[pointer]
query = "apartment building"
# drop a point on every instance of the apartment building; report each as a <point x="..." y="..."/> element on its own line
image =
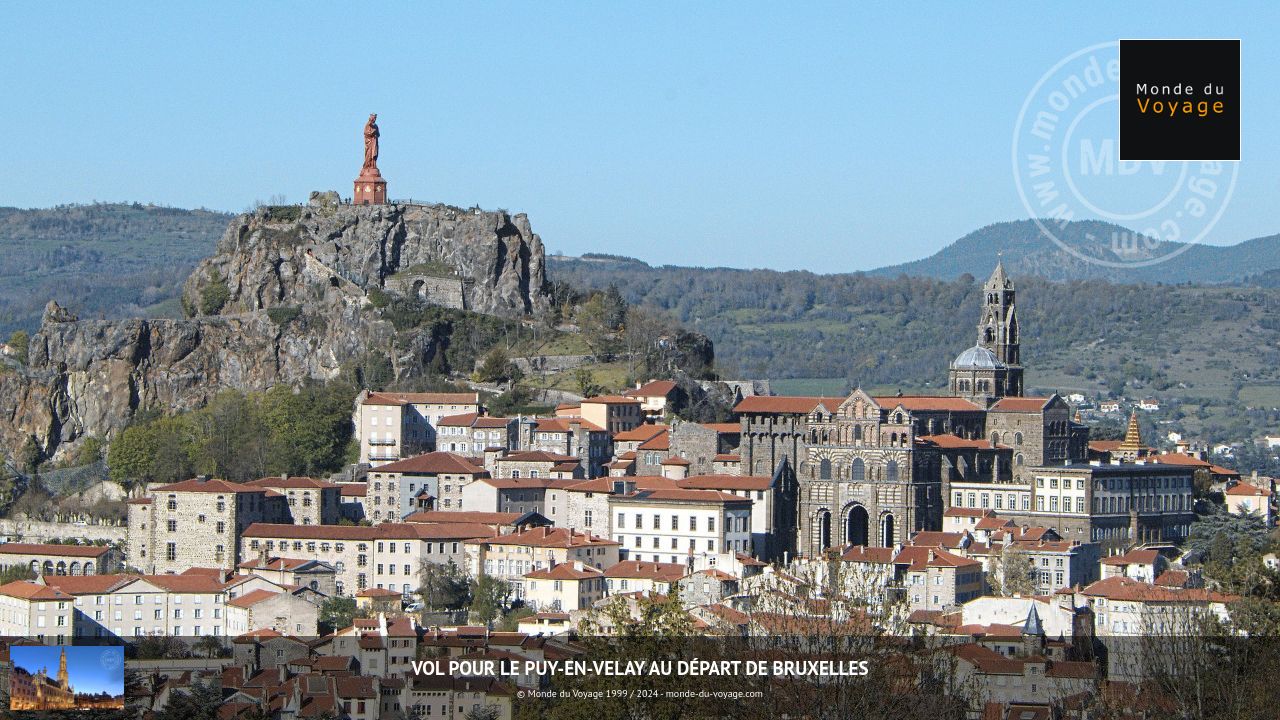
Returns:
<point x="388" y="556"/>
<point x="310" y="501"/>
<point x="564" y="588"/>
<point x="574" y="437"/>
<point x="678" y="525"/>
<point x="392" y="425"/>
<point x="614" y="413"/>
<point x="473" y="434"/>
<point x="935" y="579"/>
<point x="771" y="516"/>
<point x="423" y="482"/>
<point x="196" y="523"/>
<point x="585" y="505"/>
<point x="33" y="610"/>
<point x="534" y="464"/>
<point x="510" y="557"/>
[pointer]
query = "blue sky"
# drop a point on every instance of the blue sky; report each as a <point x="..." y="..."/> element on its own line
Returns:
<point x="90" y="669"/>
<point x="830" y="137"/>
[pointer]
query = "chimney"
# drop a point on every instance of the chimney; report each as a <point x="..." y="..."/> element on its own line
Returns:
<point x="284" y="476"/>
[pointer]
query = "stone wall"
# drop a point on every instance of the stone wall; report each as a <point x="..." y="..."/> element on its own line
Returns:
<point x="22" y="530"/>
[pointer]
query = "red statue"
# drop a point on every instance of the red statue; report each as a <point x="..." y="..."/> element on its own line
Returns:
<point x="370" y="188"/>
<point x="371" y="143"/>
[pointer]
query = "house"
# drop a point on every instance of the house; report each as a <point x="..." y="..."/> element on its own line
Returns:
<point x="640" y="576"/>
<point x="563" y="588"/>
<point x="655" y="397"/>
<point x="935" y="579"/>
<point x="394" y="425"/>
<point x="474" y="433"/>
<point x="614" y="413"/>
<point x="674" y="525"/>
<point x="36" y="611"/>
<point x="770" y="512"/>
<point x="574" y="437"/>
<point x="395" y="489"/>
<point x="1137" y="564"/>
<point x="299" y="572"/>
<point x="1242" y="499"/>
<point x="510" y="557"/>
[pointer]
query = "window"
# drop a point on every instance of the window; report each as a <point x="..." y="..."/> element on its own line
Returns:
<point x="172" y="525"/>
<point x="171" y="551"/>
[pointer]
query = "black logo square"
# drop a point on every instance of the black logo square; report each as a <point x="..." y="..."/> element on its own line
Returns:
<point x="1179" y="99"/>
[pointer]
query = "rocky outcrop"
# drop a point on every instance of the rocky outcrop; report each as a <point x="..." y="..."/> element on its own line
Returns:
<point x="295" y="305"/>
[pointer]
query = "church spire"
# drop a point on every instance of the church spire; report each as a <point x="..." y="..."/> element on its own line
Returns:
<point x="1132" y="447"/>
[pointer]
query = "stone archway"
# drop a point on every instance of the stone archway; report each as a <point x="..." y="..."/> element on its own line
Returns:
<point x="822" y="529"/>
<point x="886" y="530"/>
<point x="856" y="525"/>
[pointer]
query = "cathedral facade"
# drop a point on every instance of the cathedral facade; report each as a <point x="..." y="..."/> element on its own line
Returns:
<point x="872" y="470"/>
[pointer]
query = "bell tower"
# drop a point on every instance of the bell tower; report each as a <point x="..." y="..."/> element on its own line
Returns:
<point x="998" y="326"/>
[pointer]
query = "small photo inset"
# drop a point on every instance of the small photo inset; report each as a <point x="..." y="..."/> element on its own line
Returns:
<point x="66" y="677"/>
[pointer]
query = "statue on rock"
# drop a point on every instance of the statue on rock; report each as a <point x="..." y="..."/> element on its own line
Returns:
<point x="370" y="188"/>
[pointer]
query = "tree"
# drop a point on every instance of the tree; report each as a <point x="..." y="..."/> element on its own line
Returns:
<point x="209" y="645"/>
<point x="585" y="382"/>
<point x="483" y="712"/>
<point x="200" y="702"/>
<point x="489" y="597"/>
<point x="20" y="344"/>
<point x="338" y="611"/>
<point x="90" y="451"/>
<point x="444" y="587"/>
<point x="1019" y="572"/>
<point x="496" y="366"/>
<point x="30" y="455"/>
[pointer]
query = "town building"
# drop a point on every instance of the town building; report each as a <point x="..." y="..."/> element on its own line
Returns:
<point x="564" y="587"/>
<point x="58" y="559"/>
<point x="873" y="469"/>
<point x="196" y="523"/>
<point x="510" y="557"/>
<point x="656" y="398"/>
<point x="677" y="525"/>
<point x="32" y="610"/>
<point x="310" y="501"/>
<point x="395" y="425"/>
<point x="429" y="481"/>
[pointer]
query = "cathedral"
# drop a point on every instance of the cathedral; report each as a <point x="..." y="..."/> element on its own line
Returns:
<point x="39" y="691"/>
<point x="872" y="470"/>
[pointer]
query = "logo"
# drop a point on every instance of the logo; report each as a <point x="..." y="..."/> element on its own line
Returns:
<point x="1067" y="166"/>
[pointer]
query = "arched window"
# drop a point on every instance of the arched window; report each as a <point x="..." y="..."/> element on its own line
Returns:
<point x="824" y="469"/>
<point x="891" y="471"/>
<point x="858" y="470"/>
<point x="1017" y="459"/>
<point x="1017" y="438"/>
<point x="857" y="432"/>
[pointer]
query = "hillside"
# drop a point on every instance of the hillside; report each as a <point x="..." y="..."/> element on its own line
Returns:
<point x="290" y="294"/>
<point x="1025" y="251"/>
<point x="1215" y="350"/>
<point x="109" y="260"/>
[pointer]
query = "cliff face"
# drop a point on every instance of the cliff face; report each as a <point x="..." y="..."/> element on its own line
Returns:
<point x="295" y="306"/>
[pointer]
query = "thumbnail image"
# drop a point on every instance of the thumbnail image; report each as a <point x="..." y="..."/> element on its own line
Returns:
<point x="63" y="677"/>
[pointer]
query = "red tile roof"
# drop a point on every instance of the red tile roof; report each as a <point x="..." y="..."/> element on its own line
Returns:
<point x="566" y="571"/>
<point x="564" y="425"/>
<point x="88" y="584"/>
<point x="864" y="554"/>
<point x="635" y="569"/>
<point x="377" y="593"/>
<point x="1020" y="404"/>
<point x="547" y="537"/>
<point x="605" y="484"/>
<point x="684" y="495"/>
<point x="661" y="441"/>
<point x="676" y="460"/>
<point x="784" y="404"/>
<point x="948" y="441"/>
<point x="653" y="388"/>
<point x="18" y="548"/>
<point x="353" y="489"/>
<point x="1119" y="587"/>
<point x="724" y="428"/>
<point x="640" y="433"/>
<point x="32" y="591"/>
<point x="253" y="597"/>
<point x="1138" y="557"/>
<point x="1241" y="489"/>
<point x="432" y="463"/>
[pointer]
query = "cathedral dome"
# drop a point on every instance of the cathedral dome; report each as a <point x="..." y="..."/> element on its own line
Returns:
<point x="977" y="357"/>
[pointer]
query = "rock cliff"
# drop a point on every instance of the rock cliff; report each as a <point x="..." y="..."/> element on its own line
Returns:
<point x="285" y="297"/>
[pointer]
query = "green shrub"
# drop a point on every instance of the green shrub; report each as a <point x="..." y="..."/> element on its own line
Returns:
<point x="214" y="296"/>
<point x="379" y="298"/>
<point x="284" y="314"/>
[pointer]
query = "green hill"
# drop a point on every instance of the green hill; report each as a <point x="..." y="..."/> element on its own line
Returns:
<point x="1025" y="250"/>
<point x="110" y="260"/>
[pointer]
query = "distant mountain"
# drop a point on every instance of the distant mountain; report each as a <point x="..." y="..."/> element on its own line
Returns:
<point x="110" y="260"/>
<point x="1025" y="250"/>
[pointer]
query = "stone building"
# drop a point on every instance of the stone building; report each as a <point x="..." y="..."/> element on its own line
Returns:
<point x="395" y="490"/>
<point x="56" y="559"/>
<point x="395" y="425"/>
<point x="196" y="523"/>
<point x="309" y="501"/>
<point x="871" y="470"/>
<point x="702" y="443"/>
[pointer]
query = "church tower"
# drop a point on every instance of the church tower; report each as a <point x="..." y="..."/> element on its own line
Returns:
<point x="64" y="681"/>
<point x="992" y="368"/>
